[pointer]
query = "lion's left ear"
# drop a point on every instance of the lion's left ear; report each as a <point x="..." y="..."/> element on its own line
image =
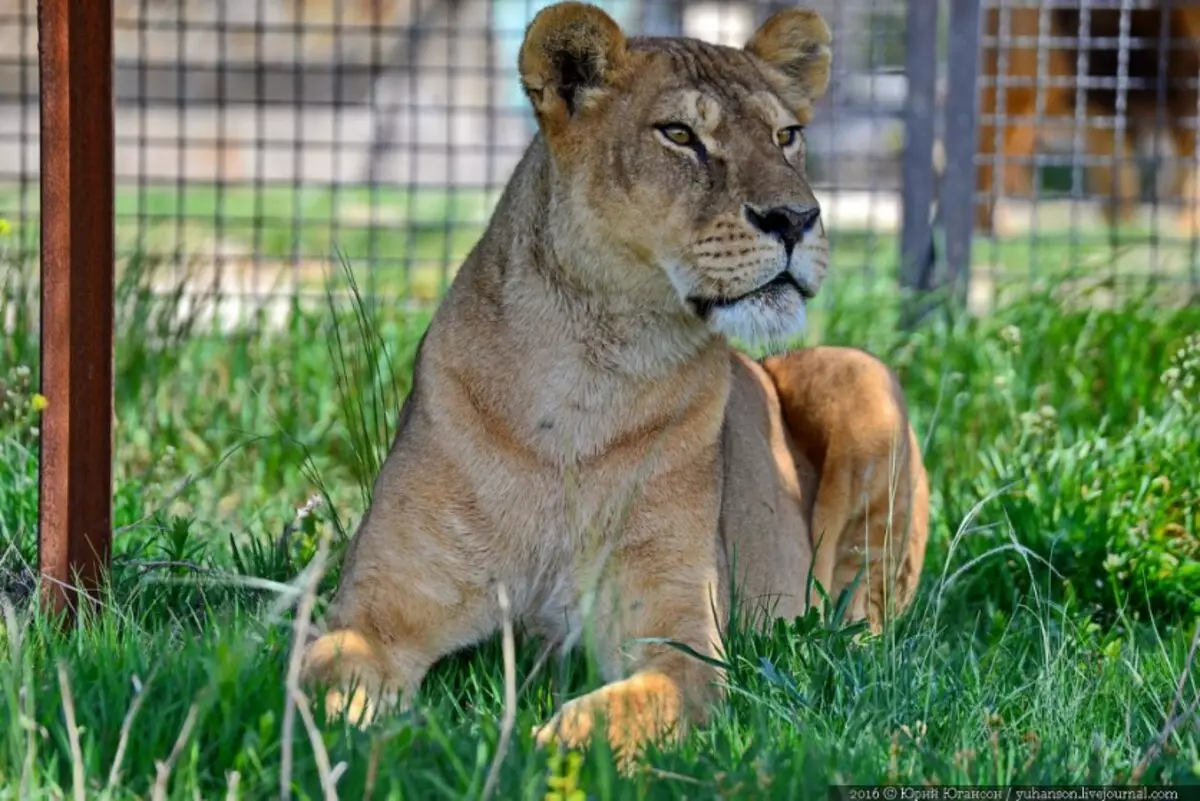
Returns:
<point x="796" y="44"/>
<point x="572" y="54"/>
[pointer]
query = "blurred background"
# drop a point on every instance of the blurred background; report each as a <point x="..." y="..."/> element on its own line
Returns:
<point x="992" y="147"/>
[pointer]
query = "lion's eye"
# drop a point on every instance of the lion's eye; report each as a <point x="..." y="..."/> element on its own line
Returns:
<point x="786" y="137"/>
<point x="679" y="134"/>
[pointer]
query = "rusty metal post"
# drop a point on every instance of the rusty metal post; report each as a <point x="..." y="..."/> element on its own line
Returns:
<point x="75" y="52"/>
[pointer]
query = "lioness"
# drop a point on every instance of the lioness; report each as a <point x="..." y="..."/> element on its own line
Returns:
<point x="581" y="431"/>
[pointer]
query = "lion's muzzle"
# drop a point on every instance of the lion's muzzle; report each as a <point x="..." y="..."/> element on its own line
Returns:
<point x="788" y="224"/>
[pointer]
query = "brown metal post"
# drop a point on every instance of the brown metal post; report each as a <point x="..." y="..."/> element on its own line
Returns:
<point x="75" y="512"/>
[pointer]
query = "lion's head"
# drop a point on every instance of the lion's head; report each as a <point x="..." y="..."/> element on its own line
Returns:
<point x="683" y="163"/>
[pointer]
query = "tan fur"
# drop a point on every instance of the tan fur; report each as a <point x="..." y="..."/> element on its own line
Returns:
<point x="580" y="429"/>
<point x="1116" y="180"/>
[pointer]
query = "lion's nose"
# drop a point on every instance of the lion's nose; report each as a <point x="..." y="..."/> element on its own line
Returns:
<point x="789" y="224"/>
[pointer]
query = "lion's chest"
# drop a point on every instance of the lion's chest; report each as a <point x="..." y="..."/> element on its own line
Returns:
<point x="560" y="530"/>
<point x="554" y="611"/>
<point x="576" y="416"/>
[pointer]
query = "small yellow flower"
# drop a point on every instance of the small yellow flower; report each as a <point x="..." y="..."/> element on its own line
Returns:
<point x="39" y="402"/>
<point x="5" y="227"/>
<point x="564" y="784"/>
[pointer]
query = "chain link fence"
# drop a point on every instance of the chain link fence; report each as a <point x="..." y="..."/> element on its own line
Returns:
<point x="259" y="142"/>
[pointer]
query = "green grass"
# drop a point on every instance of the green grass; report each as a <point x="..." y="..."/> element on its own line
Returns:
<point x="1048" y="644"/>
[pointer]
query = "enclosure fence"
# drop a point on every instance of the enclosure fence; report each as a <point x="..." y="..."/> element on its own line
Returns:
<point x="993" y="142"/>
<point x="240" y="147"/>
<point x="259" y="141"/>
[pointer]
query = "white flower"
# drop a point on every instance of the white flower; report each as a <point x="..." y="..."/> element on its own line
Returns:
<point x="307" y="509"/>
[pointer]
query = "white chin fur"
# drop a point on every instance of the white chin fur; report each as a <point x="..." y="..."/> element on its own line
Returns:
<point x="760" y="323"/>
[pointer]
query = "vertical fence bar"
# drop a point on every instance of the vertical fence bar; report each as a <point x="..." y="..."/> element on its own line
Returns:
<point x="916" y="242"/>
<point x="957" y="202"/>
<point x="663" y="18"/>
<point x="75" y="52"/>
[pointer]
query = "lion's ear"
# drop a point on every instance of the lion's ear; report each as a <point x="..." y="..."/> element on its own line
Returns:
<point x="796" y="44"/>
<point x="572" y="53"/>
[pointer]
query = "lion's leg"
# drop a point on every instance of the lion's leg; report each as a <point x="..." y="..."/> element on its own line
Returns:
<point x="659" y="582"/>
<point x="847" y="416"/>
<point x="984" y="176"/>
<point x="1183" y="63"/>
<point x="1187" y="179"/>
<point x="1113" y="175"/>
<point x="1006" y="110"/>
<point x="406" y="599"/>
<point x="1018" y="142"/>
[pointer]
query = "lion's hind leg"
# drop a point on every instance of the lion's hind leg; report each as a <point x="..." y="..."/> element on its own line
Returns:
<point x="847" y="416"/>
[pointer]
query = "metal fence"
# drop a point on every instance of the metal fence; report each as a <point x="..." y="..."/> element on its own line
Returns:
<point x="1087" y="118"/>
<point x="256" y="139"/>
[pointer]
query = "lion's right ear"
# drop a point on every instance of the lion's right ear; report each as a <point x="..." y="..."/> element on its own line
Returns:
<point x="572" y="53"/>
<point x="795" y="43"/>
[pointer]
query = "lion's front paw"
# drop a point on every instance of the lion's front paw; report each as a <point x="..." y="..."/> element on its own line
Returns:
<point x="637" y="711"/>
<point x="358" y="706"/>
<point x="345" y="663"/>
<point x="571" y="727"/>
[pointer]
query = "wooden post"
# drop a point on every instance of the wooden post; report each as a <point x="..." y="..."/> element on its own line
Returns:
<point x="75" y="52"/>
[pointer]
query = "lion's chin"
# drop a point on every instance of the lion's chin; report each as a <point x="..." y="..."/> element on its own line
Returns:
<point x="763" y="320"/>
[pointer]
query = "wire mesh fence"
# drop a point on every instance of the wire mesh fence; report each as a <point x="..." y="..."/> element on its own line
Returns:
<point x="1086" y="148"/>
<point x="259" y="141"/>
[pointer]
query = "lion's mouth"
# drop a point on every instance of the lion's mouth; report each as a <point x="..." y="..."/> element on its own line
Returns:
<point x="704" y="306"/>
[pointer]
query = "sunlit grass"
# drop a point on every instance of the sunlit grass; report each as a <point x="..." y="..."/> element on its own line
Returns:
<point x="1049" y="643"/>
